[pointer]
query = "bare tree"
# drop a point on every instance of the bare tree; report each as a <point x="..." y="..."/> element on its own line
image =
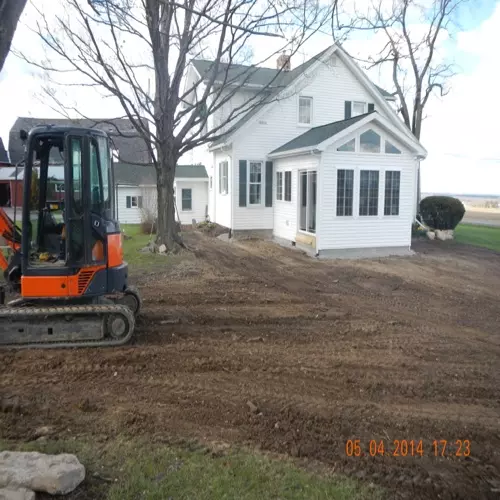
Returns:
<point x="10" y="12"/>
<point x="411" y="31"/>
<point x="138" y="52"/>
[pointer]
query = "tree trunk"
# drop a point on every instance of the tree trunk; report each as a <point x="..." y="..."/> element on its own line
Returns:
<point x="167" y="232"/>
<point x="10" y="12"/>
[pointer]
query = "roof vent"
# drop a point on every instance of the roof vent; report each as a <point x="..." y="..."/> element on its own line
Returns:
<point x="284" y="62"/>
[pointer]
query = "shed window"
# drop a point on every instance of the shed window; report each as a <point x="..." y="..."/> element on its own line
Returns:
<point x="279" y="185"/>
<point x="255" y="183"/>
<point x="345" y="188"/>
<point x="305" y="110"/>
<point x="369" y="142"/>
<point x="288" y="186"/>
<point x="223" y="177"/>
<point x="391" y="198"/>
<point x="368" y="192"/>
<point x="391" y="149"/>
<point x="187" y="199"/>
<point x="134" y="201"/>
<point x="348" y="146"/>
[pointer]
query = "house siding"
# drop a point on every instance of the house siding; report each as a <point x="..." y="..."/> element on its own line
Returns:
<point x="199" y="201"/>
<point x="286" y="212"/>
<point x="131" y="215"/>
<point x="338" y="232"/>
<point x="222" y="202"/>
<point x="329" y="86"/>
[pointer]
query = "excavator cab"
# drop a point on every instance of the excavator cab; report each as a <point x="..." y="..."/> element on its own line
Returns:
<point x="70" y="252"/>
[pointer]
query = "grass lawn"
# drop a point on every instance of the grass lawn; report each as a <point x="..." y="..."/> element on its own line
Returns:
<point x="481" y="236"/>
<point x="122" y="470"/>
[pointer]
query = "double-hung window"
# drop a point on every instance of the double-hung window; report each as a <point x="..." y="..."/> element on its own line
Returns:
<point x="305" y="110"/>
<point x="358" y="108"/>
<point x="223" y="177"/>
<point x="345" y="190"/>
<point x="279" y="185"/>
<point x="391" y="198"/>
<point x="288" y="186"/>
<point x="255" y="183"/>
<point x="187" y="201"/>
<point x="368" y="192"/>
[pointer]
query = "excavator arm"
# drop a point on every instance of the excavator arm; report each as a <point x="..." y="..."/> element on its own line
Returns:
<point x="12" y="236"/>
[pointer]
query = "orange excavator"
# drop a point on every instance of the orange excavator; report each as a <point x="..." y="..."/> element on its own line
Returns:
<point x="66" y="260"/>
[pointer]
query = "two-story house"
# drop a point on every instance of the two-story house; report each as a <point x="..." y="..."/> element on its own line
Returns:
<point x="325" y="162"/>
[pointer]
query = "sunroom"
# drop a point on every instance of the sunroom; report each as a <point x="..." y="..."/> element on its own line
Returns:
<point x="348" y="188"/>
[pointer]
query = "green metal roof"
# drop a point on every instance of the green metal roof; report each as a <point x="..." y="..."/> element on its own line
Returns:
<point x="140" y="175"/>
<point x="317" y="135"/>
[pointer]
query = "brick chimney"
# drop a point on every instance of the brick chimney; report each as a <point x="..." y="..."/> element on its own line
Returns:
<point x="284" y="62"/>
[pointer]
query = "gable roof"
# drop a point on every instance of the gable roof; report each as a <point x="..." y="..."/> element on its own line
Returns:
<point x="4" y="157"/>
<point x="130" y="144"/>
<point x="141" y="175"/>
<point x="273" y="80"/>
<point x="317" y="135"/>
<point x="319" y="138"/>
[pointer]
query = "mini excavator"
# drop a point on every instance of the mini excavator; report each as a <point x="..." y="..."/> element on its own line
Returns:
<point x="66" y="259"/>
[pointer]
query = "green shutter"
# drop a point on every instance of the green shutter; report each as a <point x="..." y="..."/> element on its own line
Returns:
<point x="371" y="107"/>
<point x="347" y="110"/>
<point x="269" y="183"/>
<point x="243" y="183"/>
<point x="129" y="202"/>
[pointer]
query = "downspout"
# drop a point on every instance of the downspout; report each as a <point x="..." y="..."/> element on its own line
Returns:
<point x="319" y="197"/>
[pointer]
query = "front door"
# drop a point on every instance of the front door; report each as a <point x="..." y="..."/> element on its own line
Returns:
<point x="307" y="201"/>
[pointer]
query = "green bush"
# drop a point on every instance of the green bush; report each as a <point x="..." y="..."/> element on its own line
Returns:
<point x="441" y="212"/>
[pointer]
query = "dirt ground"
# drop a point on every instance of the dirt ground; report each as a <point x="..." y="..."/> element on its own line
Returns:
<point x="327" y="351"/>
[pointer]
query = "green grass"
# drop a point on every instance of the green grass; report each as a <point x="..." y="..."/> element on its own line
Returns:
<point x="122" y="470"/>
<point x="481" y="236"/>
<point x="132" y="246"/>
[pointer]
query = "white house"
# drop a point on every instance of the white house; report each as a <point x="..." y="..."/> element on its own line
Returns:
<point x="135" y="192"/>
<point x="325" y="162"/>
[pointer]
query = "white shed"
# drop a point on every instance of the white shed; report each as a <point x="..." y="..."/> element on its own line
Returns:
<point x="135" y="191"/>
<point x="348" y="188"/>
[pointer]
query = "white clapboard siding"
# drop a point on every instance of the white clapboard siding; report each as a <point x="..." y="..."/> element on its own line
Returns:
<point x="222" y="204"/>
<point x="329" y="86"/>
<point x="199" y="200"/>
<point x="131" y="215"/>
<point x="286" y="212"/>
<point x="340" y="232"/>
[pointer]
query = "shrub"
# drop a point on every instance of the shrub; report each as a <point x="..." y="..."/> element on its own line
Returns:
<point x="441" y="212"/>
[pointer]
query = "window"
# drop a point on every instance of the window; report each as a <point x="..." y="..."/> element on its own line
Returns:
<point x="95" y="181"/>
<point x="368" y="192"/>
<point x="358" y="108"/>
<point x="288" y="186"/>
<point x="279" y="185"/>
<point x="390" y="149"/>
<point x="76" y="167"/>
<point x="105" y="168"/>
<point x="134" y="201"/>
<point x="307" y="220"/>
<point x="255" y="183"/>
<point x="305" y="110"/>
<point x="223" y="177"/>
<point x="348" y="146"/>
<point x="345" y="186"/>
<point x="187" y="199"/>
<point x="369" y="142"/>
<point x="391" y="199"/>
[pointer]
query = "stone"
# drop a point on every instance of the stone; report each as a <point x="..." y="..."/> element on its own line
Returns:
<point x="162" y="248"/>
<point x="253" y="408"/>
<point x="448" y="234"/>
<point x="440" y="235"/>
<point x="16" y="494"/>
<point x="53" y="474"/>
<point x="431" y="235"/>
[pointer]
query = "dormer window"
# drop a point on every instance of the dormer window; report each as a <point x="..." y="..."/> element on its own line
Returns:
<point x="305" y="110"/>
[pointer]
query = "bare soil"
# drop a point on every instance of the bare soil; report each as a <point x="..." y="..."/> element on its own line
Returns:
<point x="324" y="351"/>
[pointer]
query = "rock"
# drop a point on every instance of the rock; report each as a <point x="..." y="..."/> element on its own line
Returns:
<point x="253" y="408"/>
<point x="54" y="474"/>
<point x="440" y="235"/>
<point x="448" y="234"/>
<point x="162" y="248"/>
<point x="44" y="430"/>
<point x="16" y="494"/>
<point x="431" y="235"/>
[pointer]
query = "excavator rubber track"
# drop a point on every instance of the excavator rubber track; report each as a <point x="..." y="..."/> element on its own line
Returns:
<point x="56" y="327"/>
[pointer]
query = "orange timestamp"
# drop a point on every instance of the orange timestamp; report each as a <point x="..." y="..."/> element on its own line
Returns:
<point x="408" y="448"/>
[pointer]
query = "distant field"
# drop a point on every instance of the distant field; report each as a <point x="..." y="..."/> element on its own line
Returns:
<point x="487" y="217"/>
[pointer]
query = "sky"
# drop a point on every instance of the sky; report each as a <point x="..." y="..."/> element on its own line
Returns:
<point x="460" y="131"/>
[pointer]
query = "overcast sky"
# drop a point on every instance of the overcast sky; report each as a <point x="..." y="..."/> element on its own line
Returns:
<point x="459" y="132"/>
